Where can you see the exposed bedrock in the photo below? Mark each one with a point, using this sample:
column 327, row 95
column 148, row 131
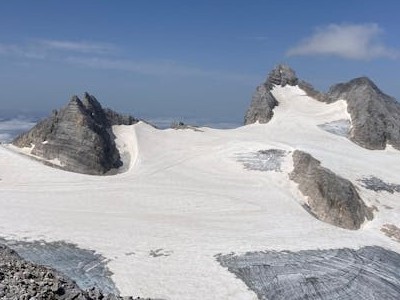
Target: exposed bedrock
column 370, row 273
column 78, row 136
column 375, row 116
column 330, row 198
column 20, row 279
column 263, row 102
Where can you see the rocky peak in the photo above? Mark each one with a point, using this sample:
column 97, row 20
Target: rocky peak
column 263, row 102
column 355, row 87
column 79, row 136
column 282, row 75
column 91, row 104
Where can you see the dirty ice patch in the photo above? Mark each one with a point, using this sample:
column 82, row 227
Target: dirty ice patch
column 338, row 127
column 319, row 274
column 263, row 160
column 86, row 267
column 378, row 185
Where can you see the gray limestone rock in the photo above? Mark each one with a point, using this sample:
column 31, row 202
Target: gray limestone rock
column 20, row 279
column 370, row 273
column 263, row 102
column 86, row 268
column 313, row 93
column 282, row 75
column 261, row 107
column 375, row 116
column 331, row 198
column 40, row 270
column 79, row 136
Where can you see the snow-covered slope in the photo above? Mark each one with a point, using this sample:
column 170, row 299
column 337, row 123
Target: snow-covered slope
column 187, row 196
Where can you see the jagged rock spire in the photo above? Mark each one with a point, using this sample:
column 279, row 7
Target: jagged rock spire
column 282, row 75
column 78, row 136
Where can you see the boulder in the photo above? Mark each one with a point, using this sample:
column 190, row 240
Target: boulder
column 330, row 198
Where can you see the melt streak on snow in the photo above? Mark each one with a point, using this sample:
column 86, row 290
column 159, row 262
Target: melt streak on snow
column 185, row 197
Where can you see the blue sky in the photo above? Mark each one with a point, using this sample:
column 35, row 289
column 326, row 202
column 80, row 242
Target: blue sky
column 187, row 60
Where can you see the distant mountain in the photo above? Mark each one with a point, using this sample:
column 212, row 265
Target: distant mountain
column 375, row 116
column 78, row 136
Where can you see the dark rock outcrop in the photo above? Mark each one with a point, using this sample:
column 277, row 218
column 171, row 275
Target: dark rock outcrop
column 282, row 75
column 20, row 279
column 313, row 93
column 331, row 198
column 79, row 136
column 263, row 102
column 375, row 116
column 370, row 273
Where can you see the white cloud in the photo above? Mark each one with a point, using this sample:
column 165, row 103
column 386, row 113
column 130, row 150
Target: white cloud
column 361, row 42
column 41, row 49
column 73, row 46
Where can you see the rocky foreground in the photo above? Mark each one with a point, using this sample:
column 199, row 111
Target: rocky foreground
column 20, row 279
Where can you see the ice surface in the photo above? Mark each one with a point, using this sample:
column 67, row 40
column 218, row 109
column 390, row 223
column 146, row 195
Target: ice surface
column 339, row 127
column 186, row 193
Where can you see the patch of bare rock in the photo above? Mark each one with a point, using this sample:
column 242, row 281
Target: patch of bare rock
column 391, row 231
column 20, row 279
column 330, row 198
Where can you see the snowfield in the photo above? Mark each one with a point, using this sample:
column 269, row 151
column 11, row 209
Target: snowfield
column 184, row 197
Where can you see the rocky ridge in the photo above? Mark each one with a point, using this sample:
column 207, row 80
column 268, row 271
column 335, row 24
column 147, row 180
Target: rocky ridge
column 375, row 116
column 331, row 198
column 263, row 102
column 78, row 137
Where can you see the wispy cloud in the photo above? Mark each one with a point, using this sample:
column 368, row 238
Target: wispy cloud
column 105, row 56
column 21, row 51
column 159, row 68
column 41, row 49
column 73, row 46
column 351, row 41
